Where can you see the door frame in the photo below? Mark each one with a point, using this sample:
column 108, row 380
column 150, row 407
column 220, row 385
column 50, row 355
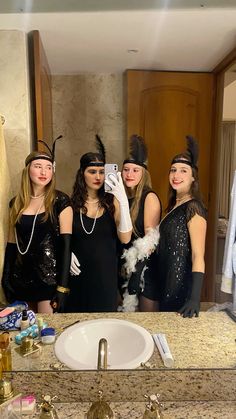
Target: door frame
column 211, row 244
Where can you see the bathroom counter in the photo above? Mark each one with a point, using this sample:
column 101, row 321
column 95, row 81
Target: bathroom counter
column 204, row 342
column 171, row 410
column 204, row 351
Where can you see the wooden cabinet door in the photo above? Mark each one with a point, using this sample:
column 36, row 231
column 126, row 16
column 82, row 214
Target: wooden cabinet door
column 164, row 107
column 41, row 91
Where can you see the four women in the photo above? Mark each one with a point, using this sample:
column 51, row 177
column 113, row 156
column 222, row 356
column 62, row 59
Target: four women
column 38, row 252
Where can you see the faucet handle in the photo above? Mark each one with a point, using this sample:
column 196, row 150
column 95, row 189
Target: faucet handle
column 100, row 409
column 153, row 407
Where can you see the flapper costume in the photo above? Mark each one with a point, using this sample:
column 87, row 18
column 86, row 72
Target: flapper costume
column 174, row 272
column 34, row 275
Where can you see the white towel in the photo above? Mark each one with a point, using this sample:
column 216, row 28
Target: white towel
column 229, row 262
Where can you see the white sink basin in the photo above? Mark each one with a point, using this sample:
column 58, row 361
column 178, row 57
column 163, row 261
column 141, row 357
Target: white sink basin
column 128, row 344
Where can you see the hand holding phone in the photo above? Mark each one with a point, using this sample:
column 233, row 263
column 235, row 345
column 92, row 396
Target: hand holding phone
column 110, row 169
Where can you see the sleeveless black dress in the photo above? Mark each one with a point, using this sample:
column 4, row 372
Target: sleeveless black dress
column 34, row 276
column 95, row 289
column 174, row 273
column 145, row 270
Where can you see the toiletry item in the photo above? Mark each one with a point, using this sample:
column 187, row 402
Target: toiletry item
column 28, row 405
column 41, row 324
column 6, row 311
column 48, row 335
column 24, row 320
column 163, row 347
column 5, row 350
column 32, row 331
column 47, row 408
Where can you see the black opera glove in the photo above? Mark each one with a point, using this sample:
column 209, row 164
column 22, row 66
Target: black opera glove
column 63, row 259
column 9, row 261
column 58, row 302
column 192, row 305
column 135, row 281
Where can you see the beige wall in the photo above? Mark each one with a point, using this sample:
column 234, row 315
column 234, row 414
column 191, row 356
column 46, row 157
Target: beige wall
column 83, row 105
column 229, row 106
column 15, row 107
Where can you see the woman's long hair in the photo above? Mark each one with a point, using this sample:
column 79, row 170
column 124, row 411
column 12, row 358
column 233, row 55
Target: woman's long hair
column 145, row 182
column 194, row 189
column 22, row 199
column 80, row 194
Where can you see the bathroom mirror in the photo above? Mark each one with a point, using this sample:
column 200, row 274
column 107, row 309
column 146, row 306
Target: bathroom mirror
column 78, row 116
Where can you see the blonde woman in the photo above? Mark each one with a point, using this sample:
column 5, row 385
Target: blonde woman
column 39, row 237
column 145, row 210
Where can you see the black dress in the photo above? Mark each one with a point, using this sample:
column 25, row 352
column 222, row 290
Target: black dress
column 143, row 281
column 95, row 289
column 34, row 276
column 174, row 273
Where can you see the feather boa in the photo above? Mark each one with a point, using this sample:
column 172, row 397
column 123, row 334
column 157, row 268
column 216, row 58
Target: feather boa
column 141, row 249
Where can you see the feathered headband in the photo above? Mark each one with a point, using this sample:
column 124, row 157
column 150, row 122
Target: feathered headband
column 138, row 151
column 101, row 151
column 42, row 155
column 192, row 151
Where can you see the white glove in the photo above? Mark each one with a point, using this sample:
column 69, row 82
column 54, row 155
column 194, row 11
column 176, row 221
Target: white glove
column 74, row 265
column 118, row 190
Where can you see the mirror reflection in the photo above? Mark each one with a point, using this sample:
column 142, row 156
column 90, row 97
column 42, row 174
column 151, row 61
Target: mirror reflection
column 100, row 96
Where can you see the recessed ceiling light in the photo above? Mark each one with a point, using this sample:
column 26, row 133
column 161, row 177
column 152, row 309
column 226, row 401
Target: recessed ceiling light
column 132, row 51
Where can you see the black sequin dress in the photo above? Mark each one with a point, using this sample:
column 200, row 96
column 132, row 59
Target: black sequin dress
column 174, row 271
column 96, row 287
column 34, row 275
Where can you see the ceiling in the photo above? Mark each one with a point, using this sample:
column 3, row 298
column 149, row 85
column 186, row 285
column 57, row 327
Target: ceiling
column 95, row 36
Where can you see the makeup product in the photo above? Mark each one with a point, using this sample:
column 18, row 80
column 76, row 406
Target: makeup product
column 6, row 311
column 48, row 335
column 24, row 320
column 163, row 347
column 28, row 405
column 41, row 324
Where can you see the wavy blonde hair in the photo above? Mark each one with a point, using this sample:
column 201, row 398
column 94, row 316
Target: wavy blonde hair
column 22, row 199
column 145, row 181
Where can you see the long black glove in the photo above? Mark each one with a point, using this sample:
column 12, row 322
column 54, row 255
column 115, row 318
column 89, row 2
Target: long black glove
column 9, row 261
column 63, row 258
column 192, row 305
column 134, row 285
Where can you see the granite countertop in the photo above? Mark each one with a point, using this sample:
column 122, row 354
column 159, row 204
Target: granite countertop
column 171, row 410
column 204, row 342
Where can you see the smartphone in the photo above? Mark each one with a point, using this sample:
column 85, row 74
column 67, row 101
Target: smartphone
column 110, row 168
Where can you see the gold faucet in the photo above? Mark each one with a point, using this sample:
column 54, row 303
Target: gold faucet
column 102, row 354
column 100, row 409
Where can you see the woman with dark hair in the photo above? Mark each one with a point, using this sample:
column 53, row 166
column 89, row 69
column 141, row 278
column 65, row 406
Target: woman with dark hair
column 145, row 209
column 99, row 220
column 182, row 238
column 37, row 257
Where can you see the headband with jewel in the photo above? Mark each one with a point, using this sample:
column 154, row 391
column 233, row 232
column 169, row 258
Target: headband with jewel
column 44, row 155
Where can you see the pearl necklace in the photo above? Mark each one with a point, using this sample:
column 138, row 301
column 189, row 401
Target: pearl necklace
column 38, row 196
column 32, row 232
column 94, row 222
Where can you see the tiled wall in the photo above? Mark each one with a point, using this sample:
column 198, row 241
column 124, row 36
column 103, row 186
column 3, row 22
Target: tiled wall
column 83, row 105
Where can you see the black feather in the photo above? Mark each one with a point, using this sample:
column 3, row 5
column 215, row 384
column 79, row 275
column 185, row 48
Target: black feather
column 138, row 148
column 51, row 151
column 100, row 147
column 44, row 143
column 54, row 145
column 193, row 149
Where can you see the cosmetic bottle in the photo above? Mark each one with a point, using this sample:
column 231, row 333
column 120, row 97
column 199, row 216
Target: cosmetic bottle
column 5, row 350
column 24, row 320
column 40, row 324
